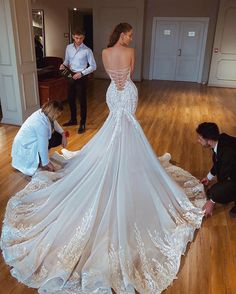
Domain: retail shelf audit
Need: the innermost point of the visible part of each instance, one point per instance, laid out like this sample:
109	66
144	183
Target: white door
223	64
166	45
189	51
178	50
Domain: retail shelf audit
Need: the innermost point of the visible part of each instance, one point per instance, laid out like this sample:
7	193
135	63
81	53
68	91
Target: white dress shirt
210	175
80	59
31	143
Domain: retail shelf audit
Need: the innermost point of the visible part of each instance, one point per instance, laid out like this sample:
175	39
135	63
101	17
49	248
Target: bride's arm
104	59
132	61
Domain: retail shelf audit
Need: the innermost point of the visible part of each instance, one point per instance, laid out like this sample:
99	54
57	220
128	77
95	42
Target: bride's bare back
118	63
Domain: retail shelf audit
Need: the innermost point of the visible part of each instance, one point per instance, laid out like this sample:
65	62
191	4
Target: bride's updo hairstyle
123	27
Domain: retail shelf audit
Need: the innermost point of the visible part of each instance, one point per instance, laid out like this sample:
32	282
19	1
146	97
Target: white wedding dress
113	217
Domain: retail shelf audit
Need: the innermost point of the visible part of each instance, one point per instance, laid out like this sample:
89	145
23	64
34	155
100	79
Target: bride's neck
120	45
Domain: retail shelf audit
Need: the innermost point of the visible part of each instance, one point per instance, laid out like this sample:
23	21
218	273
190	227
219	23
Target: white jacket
31	141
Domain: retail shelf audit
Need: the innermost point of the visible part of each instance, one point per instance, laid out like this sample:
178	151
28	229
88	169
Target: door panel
226	70
190	43
166	44
18	73
223	64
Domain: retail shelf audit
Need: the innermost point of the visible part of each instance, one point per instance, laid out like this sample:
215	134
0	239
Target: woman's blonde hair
51	108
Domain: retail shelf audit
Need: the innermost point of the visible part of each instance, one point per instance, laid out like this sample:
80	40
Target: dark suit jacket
224	164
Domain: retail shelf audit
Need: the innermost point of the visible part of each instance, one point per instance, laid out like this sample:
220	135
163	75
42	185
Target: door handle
179	52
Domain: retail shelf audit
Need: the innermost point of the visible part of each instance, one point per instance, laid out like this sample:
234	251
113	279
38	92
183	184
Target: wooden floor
169	113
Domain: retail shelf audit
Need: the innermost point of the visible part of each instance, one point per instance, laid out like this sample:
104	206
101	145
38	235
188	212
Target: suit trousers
223	192
78	88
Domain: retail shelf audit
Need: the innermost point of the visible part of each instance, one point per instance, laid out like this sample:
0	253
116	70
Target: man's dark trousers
78	88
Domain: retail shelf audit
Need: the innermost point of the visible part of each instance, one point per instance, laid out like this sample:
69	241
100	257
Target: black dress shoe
232	212
70	123
81	129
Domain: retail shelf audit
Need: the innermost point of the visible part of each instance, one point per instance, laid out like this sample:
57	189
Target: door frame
204	20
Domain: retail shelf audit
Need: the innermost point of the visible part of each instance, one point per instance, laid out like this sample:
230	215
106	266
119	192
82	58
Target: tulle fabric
114	216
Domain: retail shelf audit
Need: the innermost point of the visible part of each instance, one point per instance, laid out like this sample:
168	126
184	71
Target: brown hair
209	131
123	27
78	32
52	107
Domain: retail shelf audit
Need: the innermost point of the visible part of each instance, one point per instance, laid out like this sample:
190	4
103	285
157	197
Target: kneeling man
224	166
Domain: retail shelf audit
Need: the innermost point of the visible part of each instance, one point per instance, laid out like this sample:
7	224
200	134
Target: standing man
80	60
224	166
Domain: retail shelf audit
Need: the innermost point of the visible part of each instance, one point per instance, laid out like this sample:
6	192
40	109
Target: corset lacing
119	77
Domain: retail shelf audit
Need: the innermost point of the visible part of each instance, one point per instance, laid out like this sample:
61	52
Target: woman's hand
50	167
64	141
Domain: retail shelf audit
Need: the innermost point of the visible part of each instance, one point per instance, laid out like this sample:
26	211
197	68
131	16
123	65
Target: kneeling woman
37	135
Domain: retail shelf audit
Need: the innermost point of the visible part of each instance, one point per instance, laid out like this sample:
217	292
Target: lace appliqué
70	253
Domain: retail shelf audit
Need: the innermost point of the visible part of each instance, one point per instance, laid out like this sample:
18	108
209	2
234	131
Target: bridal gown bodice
114	216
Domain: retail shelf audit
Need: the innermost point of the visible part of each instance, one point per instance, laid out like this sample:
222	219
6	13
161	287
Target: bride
114	216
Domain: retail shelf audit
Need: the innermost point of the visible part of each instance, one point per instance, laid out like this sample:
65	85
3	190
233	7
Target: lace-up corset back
119	77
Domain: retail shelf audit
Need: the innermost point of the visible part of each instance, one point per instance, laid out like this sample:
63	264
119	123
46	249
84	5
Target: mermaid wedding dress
113	217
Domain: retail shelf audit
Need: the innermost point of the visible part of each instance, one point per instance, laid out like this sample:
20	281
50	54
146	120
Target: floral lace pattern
113	216
67	255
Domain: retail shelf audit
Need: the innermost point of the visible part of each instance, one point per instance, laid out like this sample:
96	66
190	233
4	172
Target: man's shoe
232	212
81	129
70	123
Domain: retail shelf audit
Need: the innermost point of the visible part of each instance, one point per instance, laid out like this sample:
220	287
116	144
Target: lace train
112	217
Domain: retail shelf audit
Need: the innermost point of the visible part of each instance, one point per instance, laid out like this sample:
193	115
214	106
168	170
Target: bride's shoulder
131	50
105	50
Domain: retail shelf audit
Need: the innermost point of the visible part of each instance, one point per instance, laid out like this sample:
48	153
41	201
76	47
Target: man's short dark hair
208	130
78	32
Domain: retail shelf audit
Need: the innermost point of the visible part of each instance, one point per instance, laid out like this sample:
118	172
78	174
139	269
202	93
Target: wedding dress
113	217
